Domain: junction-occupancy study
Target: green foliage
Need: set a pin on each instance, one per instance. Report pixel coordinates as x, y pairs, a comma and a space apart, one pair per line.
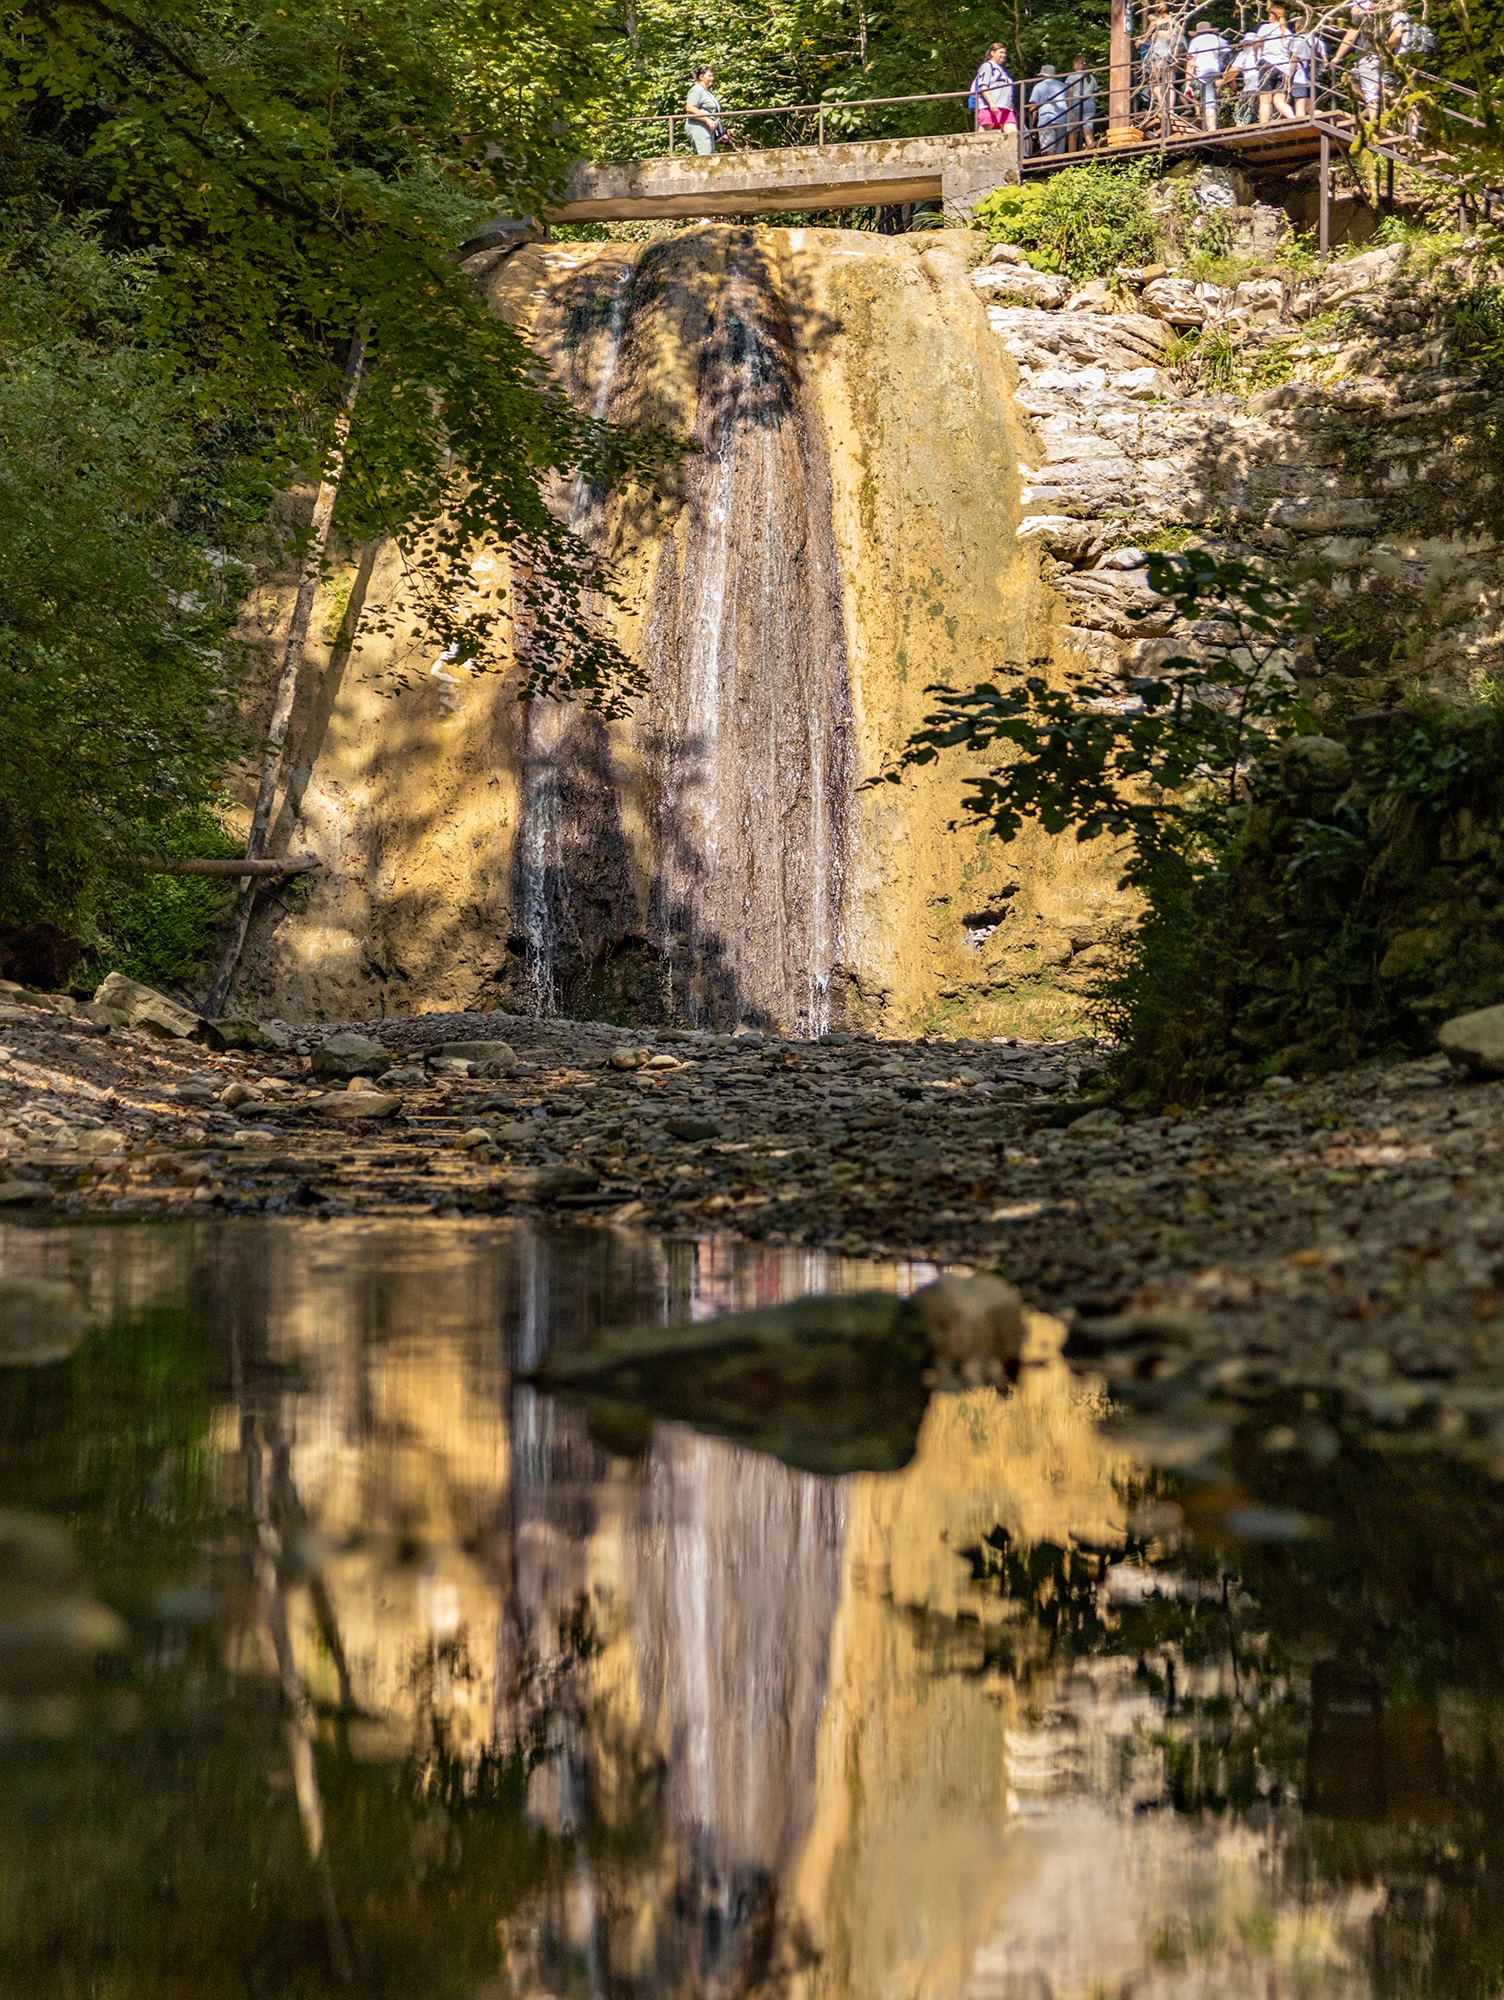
204, 200
1478, 327
1219, 361
112, 620
772, 52
1083, 220
158, 928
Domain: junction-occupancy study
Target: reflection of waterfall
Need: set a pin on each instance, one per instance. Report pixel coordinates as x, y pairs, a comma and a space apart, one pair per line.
751, 697
735, 1553
543, 903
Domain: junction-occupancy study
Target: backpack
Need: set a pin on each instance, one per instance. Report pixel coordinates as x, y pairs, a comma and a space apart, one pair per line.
1417, 40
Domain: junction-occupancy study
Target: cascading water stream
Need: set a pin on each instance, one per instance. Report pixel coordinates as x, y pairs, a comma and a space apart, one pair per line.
542, 871
752, 699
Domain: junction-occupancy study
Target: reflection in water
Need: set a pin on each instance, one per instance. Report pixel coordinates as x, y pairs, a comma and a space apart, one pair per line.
423, 1692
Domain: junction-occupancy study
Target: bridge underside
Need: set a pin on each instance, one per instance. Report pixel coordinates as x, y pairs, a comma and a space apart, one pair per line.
955, 168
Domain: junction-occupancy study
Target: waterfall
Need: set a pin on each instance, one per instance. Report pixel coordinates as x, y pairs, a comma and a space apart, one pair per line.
752, 723
542, 896
745, 739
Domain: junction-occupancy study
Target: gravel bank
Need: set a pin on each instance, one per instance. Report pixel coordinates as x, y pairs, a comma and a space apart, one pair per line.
1345, 1235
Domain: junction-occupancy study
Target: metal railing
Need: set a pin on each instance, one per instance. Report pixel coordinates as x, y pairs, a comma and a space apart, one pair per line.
1164, 102
830, 111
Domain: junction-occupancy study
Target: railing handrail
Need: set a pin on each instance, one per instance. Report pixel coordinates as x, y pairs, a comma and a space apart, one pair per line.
824, 104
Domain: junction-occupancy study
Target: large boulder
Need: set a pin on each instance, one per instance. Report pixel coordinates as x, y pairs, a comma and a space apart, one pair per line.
1475, 1041
497, 1056
239, 1031
1019, 285
342, 1056
126, 1003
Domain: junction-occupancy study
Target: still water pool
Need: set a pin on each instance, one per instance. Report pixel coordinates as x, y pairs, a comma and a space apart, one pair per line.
334, 1659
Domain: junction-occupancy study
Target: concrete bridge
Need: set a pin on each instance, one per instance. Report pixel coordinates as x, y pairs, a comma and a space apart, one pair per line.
955, 168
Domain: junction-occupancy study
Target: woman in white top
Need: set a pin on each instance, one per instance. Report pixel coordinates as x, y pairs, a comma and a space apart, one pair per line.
992, 92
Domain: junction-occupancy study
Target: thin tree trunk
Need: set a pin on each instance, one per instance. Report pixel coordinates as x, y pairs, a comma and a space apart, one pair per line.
287, 686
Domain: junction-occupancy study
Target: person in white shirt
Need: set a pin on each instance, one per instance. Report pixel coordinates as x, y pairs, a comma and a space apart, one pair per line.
1247, 67
1206, 57
992, 91
1307, 54
1273, 38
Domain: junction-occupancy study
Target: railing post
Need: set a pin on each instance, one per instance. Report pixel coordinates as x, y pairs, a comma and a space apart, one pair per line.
671, 131
821, 140
1324, 210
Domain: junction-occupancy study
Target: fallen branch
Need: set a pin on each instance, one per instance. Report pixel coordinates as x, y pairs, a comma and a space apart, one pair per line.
161, 864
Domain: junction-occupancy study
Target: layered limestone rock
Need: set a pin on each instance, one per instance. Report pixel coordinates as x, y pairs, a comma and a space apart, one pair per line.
1359, 475
841, 533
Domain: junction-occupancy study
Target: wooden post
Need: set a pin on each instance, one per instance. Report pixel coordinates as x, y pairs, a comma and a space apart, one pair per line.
1120, 127
1324, 223
287, 686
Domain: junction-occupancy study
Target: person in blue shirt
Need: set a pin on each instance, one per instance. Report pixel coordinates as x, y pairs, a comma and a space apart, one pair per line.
1081, 106
1048, 102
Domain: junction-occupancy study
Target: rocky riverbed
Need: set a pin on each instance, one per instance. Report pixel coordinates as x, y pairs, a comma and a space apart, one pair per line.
1339, 1237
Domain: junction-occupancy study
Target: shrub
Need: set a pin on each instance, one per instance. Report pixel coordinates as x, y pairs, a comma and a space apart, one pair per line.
158, 928
1083, 221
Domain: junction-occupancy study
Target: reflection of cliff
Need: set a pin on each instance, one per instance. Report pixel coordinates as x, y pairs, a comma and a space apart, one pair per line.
908, 1861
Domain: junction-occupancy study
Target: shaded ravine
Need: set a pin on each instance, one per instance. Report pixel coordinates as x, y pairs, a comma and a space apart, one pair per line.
746, 732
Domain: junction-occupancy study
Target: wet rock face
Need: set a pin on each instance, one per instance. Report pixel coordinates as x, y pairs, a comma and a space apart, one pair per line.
751, 716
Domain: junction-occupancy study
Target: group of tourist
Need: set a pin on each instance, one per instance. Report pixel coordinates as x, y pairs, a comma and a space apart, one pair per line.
1061, 110
1274, 70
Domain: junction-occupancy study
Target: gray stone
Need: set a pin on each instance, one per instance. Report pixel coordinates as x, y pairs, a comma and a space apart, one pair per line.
15, 1194
1475, 1041
343, 1056
1176, 301
1022, 286
41, 1320
241, 1032
126, 1003
692, 1128
544, 1183
1323, 514
501, 1053
344, 1105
